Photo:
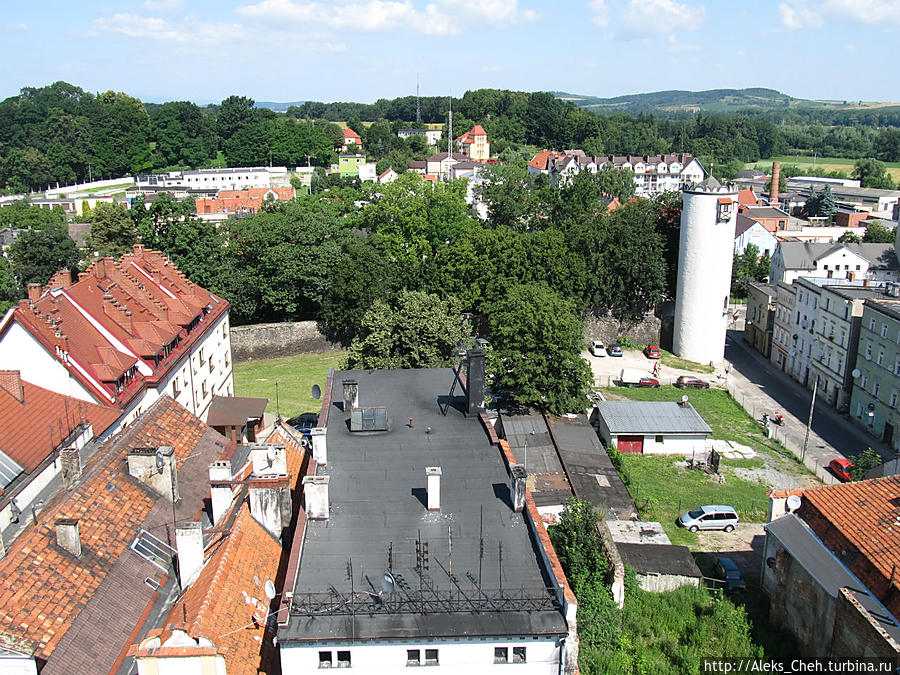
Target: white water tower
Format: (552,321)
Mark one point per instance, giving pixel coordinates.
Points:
(708,216)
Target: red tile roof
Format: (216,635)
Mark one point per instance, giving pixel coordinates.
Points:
(243,201)
(119,315)
(36,420)
(746,197)
(81,611)
(349,133)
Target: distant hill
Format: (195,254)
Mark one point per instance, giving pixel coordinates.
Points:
(277,107)
(674,102)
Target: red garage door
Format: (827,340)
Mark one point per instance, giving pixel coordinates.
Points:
(634,444)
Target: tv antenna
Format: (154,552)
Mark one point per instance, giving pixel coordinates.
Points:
(277,407)
(418,111)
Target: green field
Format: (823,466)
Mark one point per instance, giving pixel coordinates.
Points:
(663,490)
(824,163)
(295,376)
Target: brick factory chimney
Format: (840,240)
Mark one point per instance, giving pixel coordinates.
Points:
(776,177)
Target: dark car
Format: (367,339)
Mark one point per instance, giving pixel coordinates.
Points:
(614,350)
(652,352)
(304,422)
(688,382)
(647,382)
(729,571)
(841,468)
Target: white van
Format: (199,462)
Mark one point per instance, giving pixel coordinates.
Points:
(715,517)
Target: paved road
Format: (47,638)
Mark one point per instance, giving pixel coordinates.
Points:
(769,390)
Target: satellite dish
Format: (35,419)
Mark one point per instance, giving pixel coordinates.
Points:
(856,372)
(387,583)
(160,461)
(684,398)
(270,589)
(793,503)
(316,392)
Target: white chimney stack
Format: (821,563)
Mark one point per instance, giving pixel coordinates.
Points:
(351,394)
(189,544)
(315,492)
(433,475)
(68,536)
(220,495)
(269,460)
(319,447)
(155,468)
(517,482)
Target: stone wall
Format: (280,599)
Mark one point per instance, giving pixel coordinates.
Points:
(654,329)
(271,340)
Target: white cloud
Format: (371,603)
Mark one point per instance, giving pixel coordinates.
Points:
(796,14)
(600,12)
(15,27)
(662,16)
(495,12)
(163,5)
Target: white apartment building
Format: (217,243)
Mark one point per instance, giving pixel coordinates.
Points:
(239,178)
(795,259)
(127,332)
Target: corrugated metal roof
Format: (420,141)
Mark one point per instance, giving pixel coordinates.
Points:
(651,417)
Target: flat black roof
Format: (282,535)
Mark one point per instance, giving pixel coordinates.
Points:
(377,491)
(659,559)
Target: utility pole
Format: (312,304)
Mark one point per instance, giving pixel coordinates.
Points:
(812,406)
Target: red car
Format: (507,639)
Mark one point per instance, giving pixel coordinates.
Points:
(841,468)
(652,352)
(647,382)
(688,382)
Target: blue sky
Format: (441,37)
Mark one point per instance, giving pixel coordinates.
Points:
(360,50)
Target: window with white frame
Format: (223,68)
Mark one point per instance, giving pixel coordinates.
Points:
(869,351)
(884,330)
(872,324)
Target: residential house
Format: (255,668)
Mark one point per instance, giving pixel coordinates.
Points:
(434,484)
(651,427)
(388,176)
(366,172)
(439,164)
(127,332)
(794,259)
(348,165)
(432,136)
(876,391)
(243,202)
(783,349)
(474,144)
(772,218)
(748,231)
(746,197)
(350,138)
(830,570)
(760,320)
(418,166)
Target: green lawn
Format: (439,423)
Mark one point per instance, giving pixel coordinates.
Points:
(669,359)
(824,163)
(663,491)
(295,376)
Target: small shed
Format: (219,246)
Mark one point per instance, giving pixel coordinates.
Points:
(661,567)
(652,427)
(237,418)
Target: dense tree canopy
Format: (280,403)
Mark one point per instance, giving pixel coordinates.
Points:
(36,255)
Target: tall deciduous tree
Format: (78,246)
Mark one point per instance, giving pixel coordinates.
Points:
(112,230)
(876,233)
(416,330)
(536,338)
(38,254)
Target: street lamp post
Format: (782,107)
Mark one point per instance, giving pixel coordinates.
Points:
(812,407)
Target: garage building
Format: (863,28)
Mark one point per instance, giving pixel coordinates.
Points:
(651,427)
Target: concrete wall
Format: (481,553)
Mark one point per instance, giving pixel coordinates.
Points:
(857,633)
(608,329)
(270,340)
(659,583)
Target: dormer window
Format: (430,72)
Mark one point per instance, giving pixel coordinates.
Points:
(723,211)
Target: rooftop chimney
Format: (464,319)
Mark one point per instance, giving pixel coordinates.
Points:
(517,479)
(189,544)
(67,535)
(99,268)
(351,395)
(776,177)
(138,250)
(475,382)
(155,468)
(220,495)
(269,460)
(270,506)
(70,466)
(315,492)
(433,476)
(11,382)
(34,292)
(319,447)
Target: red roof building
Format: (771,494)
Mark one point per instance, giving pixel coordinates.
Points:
(244,201)
(126,332)
(350,138)
(474,144)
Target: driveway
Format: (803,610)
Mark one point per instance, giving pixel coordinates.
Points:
(744,545)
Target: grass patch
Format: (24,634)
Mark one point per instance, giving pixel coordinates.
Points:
(826,164)
(669,359)
(295,376)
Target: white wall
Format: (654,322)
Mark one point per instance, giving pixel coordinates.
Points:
(19,350)
(704,276)
(670,445)
(759,236)
(455,658)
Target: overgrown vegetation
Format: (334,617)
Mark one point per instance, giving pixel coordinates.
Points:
(864,462)
(655,632)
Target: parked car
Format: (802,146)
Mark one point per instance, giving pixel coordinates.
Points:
(688,382)
(713,517)
(652,352)
(597,348)
(728,570)
(304,422)
(841,468)
(614,350)
(632,377)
